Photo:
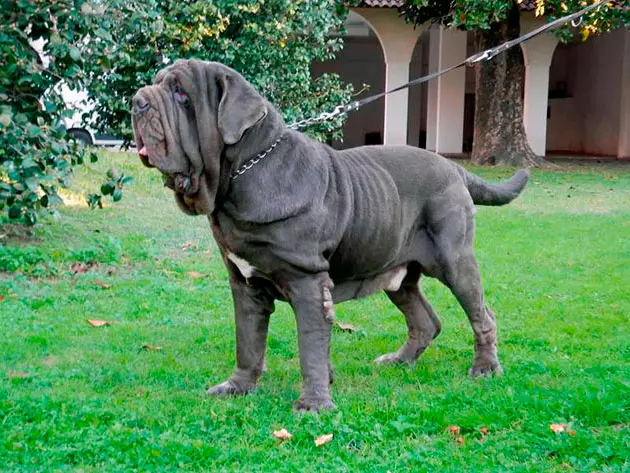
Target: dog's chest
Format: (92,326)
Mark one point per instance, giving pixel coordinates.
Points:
(230,248)
(247,270)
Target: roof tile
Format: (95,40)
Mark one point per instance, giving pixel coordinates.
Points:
(526,5)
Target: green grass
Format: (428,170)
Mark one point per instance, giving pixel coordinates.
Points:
(556,268)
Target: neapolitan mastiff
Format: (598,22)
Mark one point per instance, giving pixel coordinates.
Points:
(304,223)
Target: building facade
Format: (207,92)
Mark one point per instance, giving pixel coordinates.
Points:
(576,95)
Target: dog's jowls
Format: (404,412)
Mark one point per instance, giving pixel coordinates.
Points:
(311,225)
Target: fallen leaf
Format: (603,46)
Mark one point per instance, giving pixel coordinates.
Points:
(195,274)
(459,440)
(323,439)
(79,268)
(102,284)
(50,360)
(346,327)
(282,434)
(18,375)
(571,433)
(149,347)
(559,428)
(2,298)
(98,323)
(190,245)
(484,431)
(453,429)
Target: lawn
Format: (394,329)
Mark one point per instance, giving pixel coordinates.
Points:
(556,268)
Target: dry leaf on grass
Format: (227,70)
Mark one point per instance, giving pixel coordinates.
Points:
(484,431)
(149,347)
(345,327)
(459,440)
(18,375)
(98,323)
(282,434)
(195,274)
(50,360)
(559,428)
(79,268)
(102,284)
(190,245)
(323,439)
(2,298)
(453,429)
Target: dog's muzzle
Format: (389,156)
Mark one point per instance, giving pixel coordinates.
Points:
(187,185)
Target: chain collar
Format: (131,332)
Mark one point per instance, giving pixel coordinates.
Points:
(339,110)
(255,160)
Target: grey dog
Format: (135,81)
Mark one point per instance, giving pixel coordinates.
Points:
(313,226)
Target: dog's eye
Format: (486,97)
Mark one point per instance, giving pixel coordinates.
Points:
(180,97)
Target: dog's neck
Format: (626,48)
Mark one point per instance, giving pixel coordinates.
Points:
(253,142)
(257,139)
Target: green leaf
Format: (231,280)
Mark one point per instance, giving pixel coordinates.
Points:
(54,199)
(33,131)
(117,195)
(75,53)
(31,217)
(15,212)
(32,183)
(107,188)
(101,33)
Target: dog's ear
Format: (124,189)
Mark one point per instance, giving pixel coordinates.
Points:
(241,107)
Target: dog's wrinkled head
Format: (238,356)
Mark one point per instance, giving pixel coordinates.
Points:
(183,122)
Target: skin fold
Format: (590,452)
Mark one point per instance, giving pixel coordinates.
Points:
(314,226)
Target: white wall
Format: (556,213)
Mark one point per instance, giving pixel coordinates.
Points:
(589,120)
(624,128)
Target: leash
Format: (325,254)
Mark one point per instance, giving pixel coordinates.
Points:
(482,56)
(353,106)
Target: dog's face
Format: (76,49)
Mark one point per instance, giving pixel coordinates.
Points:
(183,122)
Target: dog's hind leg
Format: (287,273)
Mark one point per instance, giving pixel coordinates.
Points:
(453,237)
(423,324)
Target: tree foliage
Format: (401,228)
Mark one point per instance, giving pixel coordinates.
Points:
(272,43)
(44,45)
(481,14)
(110,49)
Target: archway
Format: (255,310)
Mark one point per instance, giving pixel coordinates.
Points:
(361,63)
(589,97)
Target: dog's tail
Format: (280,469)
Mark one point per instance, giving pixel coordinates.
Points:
(485,193)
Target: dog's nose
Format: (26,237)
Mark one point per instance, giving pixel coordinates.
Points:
(140,105)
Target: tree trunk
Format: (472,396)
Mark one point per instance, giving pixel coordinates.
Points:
(499,137)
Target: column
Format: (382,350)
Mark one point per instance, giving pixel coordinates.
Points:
(537,53)
(398,40)
(445,107)
(624,123)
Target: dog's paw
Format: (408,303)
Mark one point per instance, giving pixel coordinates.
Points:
(313,404)
(486,367)
(393,359)
(228,388)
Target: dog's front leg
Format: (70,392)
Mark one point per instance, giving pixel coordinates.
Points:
(253,304)
(311,299)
